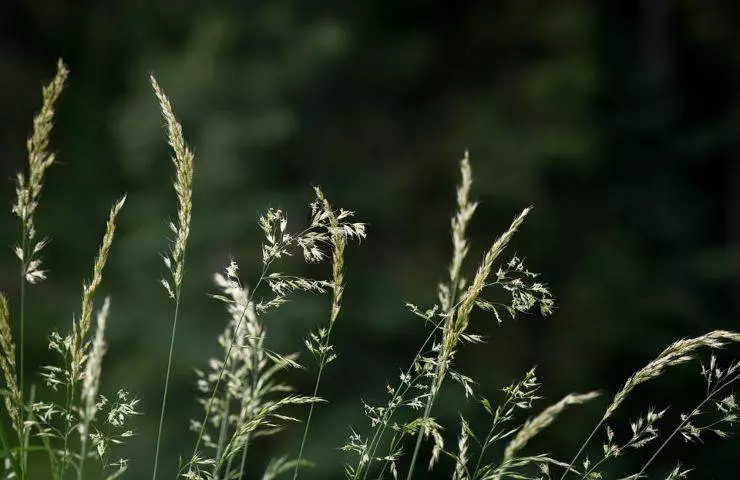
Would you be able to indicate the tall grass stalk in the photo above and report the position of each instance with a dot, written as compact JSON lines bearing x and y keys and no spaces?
{"x":28,"y":191}
{"x":174,"y":260}
{"x":465,"y":211}
{"x":325,"y":352}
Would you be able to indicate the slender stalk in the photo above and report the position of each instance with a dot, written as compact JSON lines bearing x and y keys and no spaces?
{"x":427,"y":412}
{"x":583,"y":447}
{"x":308,"y":421}
{"x":244,"y":459}
{"x":83,"y":452}
{"x":338,"y":243}
{"x":69,"y":399}
{"x":22,"y":336}
{"x":21,"y":367}
{"x":222,"y":437}
{"x":175,"y":259}
{"x":166,"y":385}
{"x":465,"y":211}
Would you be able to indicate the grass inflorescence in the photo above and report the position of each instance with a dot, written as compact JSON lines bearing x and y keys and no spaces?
{"x":244,"y":394}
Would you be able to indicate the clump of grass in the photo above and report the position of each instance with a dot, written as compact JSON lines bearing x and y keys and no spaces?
{"x":241,"y":391}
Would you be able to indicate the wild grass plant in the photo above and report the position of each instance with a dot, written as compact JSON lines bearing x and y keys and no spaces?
{"x":243,"y":393}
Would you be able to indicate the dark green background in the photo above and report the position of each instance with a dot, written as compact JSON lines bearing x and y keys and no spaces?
{"x":618,"y":120}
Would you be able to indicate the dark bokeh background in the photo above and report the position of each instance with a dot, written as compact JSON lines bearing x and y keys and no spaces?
{"x":617,"y":120}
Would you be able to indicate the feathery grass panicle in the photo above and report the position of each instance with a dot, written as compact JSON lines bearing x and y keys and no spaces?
{"x":325,"y":351}
{"x":338,"y":242}
{"x":28,"y":192}
{"x":677,"y":353}
{"x":472,"y":293}
{"x":93,"y":366}
{"x":456,"y":327}
{"x":175,"y":259}
{"x":7,"y":364}
{"x":461,"y":460}
{"x":39,"y":159}
{"x":459,"y":224}
{"x":534,"y":426}
{"x":81,"y":329}
{"x":183,"y":160}
{"x":91,"y":383}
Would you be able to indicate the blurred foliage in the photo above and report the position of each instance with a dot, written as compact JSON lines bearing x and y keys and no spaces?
{"x":617,"y":120}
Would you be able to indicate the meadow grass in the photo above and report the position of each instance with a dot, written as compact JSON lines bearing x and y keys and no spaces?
{"x":243,"y":395}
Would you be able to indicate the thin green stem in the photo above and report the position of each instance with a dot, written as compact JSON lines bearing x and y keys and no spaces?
{"x":427,"y":412}
{"x":222,"y":436}
{"x":166,"y":384}
{"x":23,"y":316}
{"x":308,"y":420}
{"x":583,"y":447}
{"x":83,"y":451}
{"x":70,"y":387}
{"x":244,"y":458}
{"x":22,"y":363}
{"x":325,"y":349}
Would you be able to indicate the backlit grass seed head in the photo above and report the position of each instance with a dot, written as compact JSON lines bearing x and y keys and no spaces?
{"x":93,"y":368}
{"x":465,"y":211}
{"x":484,"y":271}
{"x":7,"y":363}
{"x":461,"y":459}
{"x":39,"y":159}
{"x":183,"y":160}
{"x":88,"y":291}
{"x":28,"y":187}
{"x":339,"y":237}
{"x":455,"y":327}
{"x":535,"y":425}
{"x":677,"y":353}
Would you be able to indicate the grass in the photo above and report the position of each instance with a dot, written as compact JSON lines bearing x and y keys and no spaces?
{"x":243,"y":395}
